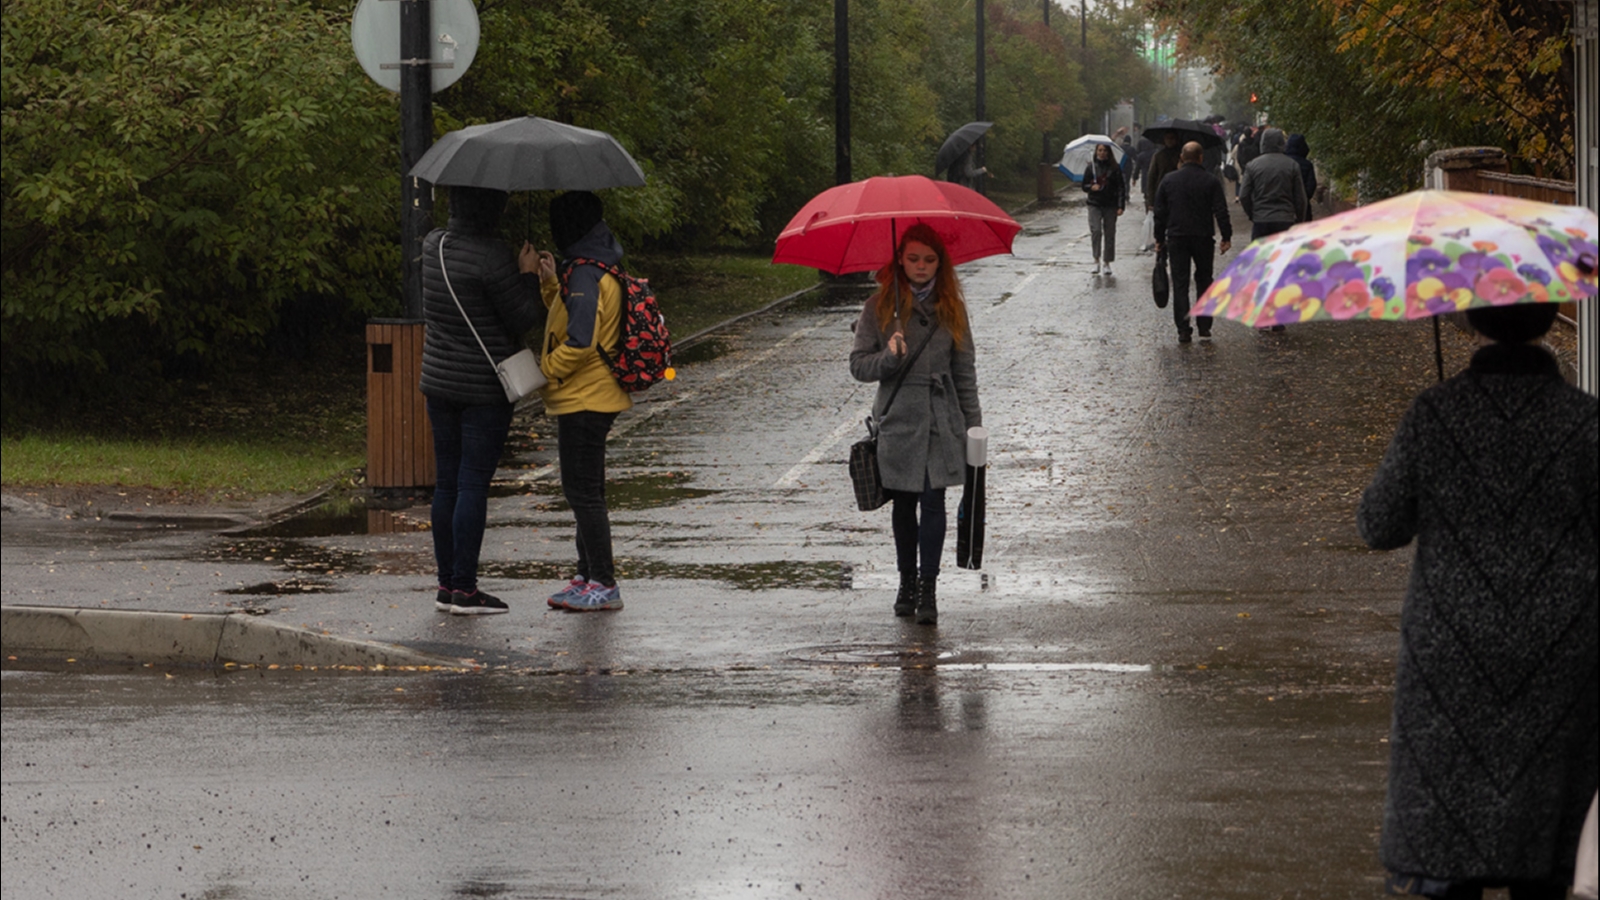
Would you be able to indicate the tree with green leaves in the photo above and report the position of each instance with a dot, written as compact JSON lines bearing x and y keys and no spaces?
{"x":1377,"y":86}
{"x":174,"y":173}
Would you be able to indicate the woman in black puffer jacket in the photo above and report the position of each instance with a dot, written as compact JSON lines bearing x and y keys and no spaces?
{"x":467,"y":407}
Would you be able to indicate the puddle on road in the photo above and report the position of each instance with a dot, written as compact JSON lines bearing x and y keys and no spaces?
{"x":703,"y":351}
{"x":646,"y":490}
{"x":304,"y":557}
{"x":914,"y":656}
{"x":346,"y":515}
{"x":288,"y":586}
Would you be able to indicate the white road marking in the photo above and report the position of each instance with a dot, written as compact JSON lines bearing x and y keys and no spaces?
{"x":816,"y":453}
{"x":1119,"y":668}
{"x":658,"y":407}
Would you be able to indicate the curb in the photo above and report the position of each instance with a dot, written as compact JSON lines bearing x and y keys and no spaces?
{"x":217,"y":640}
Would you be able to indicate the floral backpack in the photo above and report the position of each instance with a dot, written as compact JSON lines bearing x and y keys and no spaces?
{"x":644,"y":351}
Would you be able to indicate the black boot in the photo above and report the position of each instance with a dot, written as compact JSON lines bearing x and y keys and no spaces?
{"x":906,"y":601}
{"x":927,"y":600}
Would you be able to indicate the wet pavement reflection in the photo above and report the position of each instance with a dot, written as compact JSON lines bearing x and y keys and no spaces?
{"x":1170,"y":681}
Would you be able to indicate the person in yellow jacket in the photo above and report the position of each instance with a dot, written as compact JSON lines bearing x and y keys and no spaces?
{"x":585,"y":315}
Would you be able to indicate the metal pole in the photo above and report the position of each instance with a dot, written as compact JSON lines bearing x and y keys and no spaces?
{"x":1083,"y":25}
{"x":983,"y":92}
{"x":982,"y":111}
{"x":1044,"y":155}
{"x":416,"y":135}
{"x":841,"y":91}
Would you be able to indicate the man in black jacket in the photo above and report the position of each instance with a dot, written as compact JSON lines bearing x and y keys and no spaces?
{"x":1187,"y":201}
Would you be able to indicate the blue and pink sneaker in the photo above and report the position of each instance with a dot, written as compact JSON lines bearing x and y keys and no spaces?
{"x":559,"y":599}
{"x":596,"y":597}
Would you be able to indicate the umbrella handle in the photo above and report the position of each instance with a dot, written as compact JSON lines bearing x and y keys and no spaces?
{"x":1438,"y":349}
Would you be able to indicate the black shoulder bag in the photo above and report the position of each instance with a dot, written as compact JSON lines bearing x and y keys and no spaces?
{"x":864,"y":475}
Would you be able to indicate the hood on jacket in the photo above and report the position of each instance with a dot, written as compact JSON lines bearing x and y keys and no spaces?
{"x":597,"y":243}
{"x":475,"y":208}
{"x":1297,"y":146}
{"x":1272,"y":140}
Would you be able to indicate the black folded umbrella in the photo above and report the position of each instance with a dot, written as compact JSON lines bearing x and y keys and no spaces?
{"x":969,"y":516}
{"x":969,"y":520}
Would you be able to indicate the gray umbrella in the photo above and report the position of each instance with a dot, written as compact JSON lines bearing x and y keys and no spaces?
{"x":958,"y":143}
{"x":529,"y":154}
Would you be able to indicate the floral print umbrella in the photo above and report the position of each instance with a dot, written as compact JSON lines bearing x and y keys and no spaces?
{"x":1415,"y":255}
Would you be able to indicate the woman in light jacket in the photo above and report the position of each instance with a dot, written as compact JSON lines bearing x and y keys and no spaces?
{"x":923,"y":432}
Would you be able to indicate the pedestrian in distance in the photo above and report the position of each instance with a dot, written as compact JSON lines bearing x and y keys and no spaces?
{"x":1163,"y":162}
{"x":1299,"y":151}
{"x":914,"y":339}
{"x":1129,"y":174}
{"x":966,"y":171}
{"x":1187,"y":203}
{"x":582,"y":396}
{"x":1248,"y":149}
{"x":1108,"y":197}
{"x":1272,"y":190}
{"x":1495,"y":473}
{"x":498,"y":291}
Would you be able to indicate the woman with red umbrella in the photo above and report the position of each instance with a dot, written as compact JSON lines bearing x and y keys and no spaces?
{"x":913,"y":338}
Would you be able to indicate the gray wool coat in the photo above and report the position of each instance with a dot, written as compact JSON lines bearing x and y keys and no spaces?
{"x":925,"y":432}
{"x":1492,"y":757}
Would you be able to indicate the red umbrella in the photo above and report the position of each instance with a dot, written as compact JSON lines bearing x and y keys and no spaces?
{"x":854,"y":227}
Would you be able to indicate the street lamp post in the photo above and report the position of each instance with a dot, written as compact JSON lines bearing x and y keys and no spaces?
{"x":841,"y":91}
{"x":416,"y":135}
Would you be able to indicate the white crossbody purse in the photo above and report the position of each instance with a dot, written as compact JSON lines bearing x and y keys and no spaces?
{"x":518,"y":373}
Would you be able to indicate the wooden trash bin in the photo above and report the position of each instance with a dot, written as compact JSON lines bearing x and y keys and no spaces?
{"x":399,"y":441}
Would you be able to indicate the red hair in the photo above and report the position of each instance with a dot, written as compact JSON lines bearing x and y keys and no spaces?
{"x":950,"y":306}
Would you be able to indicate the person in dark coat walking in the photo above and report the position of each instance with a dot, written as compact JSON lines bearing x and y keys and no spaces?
{"x":1163,"y":162}
{"x":1299,"y":151}
{"x":1103,"y":181}
{"x":922,"y":433}
{"x":1187,"y":202}
{"x":467,"y":408}
{"x":1495,"y":474}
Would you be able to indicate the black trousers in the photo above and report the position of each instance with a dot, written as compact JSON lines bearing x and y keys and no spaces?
{"x":912,"y":536}
{"x":581,"y":446}
{"x":1184,"y":252}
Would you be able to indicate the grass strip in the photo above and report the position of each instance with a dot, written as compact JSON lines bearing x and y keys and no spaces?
{"x":202,"y":466}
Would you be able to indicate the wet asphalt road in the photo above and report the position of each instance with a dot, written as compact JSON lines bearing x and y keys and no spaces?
{"x":1170,"y":681}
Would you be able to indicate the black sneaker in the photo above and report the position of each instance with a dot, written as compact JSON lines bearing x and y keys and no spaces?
{"x":1205,"y":332}
{"x":1185,"y":337}
{"x":476,"y":603}
{"x":442,"y":600}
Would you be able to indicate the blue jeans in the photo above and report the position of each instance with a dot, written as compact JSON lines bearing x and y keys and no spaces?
{"x":467,"y":443}
{"x":910,"y":535}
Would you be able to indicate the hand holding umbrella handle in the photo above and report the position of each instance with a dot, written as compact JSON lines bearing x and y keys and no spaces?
{"x":897,"y":343}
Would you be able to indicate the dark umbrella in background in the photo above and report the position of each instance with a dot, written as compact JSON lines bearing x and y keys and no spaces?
{"x":959,"y":142}
{"x":1186,"y":130}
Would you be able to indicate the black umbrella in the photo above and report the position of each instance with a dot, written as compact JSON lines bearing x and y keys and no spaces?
{"x":969,"y":516}
{"x":958,"y":143}
{"x":529,"y":154}
{"x":1186,"y":130}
